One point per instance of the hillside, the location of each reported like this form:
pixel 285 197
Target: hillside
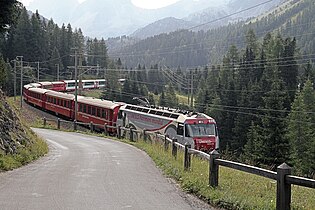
pixel 189 49
pixel 109 18
pixel 206 15
pixel 18 144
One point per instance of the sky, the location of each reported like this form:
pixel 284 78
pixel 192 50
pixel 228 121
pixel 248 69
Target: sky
pixel 146 4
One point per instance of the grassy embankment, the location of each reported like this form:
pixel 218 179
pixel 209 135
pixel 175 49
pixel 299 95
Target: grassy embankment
pixel 237 190
pixel 27 153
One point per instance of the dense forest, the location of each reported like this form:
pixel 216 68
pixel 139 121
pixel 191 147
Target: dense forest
pixel 262 98
pixel 189 49
pixel 45 45
pixel 260 91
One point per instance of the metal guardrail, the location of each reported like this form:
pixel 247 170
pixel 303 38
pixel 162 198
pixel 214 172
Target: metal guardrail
pixel 282 176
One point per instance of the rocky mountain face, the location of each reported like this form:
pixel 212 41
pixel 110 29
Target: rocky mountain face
pixel 112 18
pixel 207 15
pixel 12 134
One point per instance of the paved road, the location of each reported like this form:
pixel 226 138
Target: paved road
pixel 85 172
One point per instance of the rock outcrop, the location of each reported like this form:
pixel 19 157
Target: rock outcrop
pixel 12 134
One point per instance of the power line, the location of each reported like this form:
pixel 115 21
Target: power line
pixel 229 15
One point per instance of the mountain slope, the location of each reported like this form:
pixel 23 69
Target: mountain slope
pixel 207 15
pixel 189 49
pixel 165 25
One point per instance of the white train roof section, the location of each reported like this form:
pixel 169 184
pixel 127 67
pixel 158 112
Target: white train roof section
pixel 39 90
pixel 60 95
pixel 99 102
pixel 166 113
pixel 45 83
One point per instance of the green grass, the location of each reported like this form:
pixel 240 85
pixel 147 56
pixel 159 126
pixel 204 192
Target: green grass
pixel 237 190
pixel 92 93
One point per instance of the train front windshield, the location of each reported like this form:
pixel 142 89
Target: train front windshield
pixel 198 130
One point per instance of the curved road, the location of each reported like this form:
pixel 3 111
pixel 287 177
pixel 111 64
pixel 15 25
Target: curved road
pixel 86 172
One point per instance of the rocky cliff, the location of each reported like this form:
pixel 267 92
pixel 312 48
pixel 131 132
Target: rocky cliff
pixel 12 133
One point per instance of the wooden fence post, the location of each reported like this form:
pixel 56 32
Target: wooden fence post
pixel 165 143
pixel 131 134
pixel 187 157
pixel 174 148
pixel 144 135
pixel 44 121
pixel 105 129
pixel 91 126
pixel 58 123
pixel 213 169
pixel 74 125
pixel 283 188
pixel 118 132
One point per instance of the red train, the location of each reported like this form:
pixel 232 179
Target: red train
pixel 89 109
pixel 196 129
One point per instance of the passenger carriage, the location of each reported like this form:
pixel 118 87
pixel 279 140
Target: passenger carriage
pixel 60 103
pixel 98 111
pixel 46 85
pixel 37 97
pixel 59 86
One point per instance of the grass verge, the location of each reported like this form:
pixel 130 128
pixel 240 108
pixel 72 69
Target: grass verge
pixel 237 190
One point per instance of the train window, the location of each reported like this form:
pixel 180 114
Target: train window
pixel 152 112
pixel 145 110
pixel 93 110
pixel 103 113
pixel 80 107
pixel 54 100
pixel 159 113
pixel 84 108
pixel 64 103
pixel 139 109
pixel 120 114
pixel 89 110
pixel 88 83
pixel 166 114
pixel 175 116
pixel 70 104
pixel 98 112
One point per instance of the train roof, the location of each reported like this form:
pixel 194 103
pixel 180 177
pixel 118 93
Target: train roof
pixel 27 86
pixel 68 81
pixel 99 102
pixel 38 90
pixel 35 84
pixel 58 82
pixel 45 83
pixel 61 95
pixel 179 115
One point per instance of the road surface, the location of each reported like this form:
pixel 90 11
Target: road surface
pixel 86 172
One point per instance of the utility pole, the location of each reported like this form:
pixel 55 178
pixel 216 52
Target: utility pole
pixel 76 85
pixel 192 90
pixel 14 86
pixel 21 88
pixel 37 71
pixel 57 65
